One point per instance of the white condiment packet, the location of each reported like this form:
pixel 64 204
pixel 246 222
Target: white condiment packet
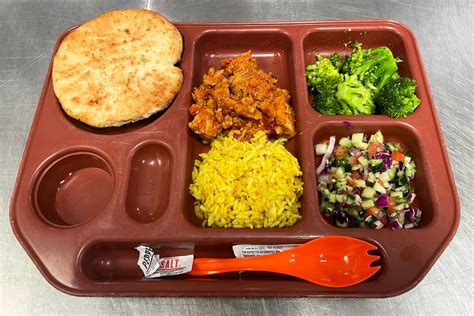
pixel 154 267
pixel 242 251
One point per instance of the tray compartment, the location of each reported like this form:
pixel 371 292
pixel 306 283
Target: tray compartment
pixel 328 41
pixel 394 132
pixel 116 262
pixel 197 147
pixel 73 189
pixel 149 182
pixel 273 50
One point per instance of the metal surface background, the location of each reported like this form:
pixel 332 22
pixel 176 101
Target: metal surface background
pixel 28 31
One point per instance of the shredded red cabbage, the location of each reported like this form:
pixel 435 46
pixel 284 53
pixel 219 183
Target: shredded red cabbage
pixel 382 201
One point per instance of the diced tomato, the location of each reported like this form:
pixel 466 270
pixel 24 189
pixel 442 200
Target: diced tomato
pixel 373 149
pixel 392 202
pixel 340 152
pixel 356 175
pixel 374 211
pixel 398 156
pixel 350 182
pixel 391 210
pixel 380 182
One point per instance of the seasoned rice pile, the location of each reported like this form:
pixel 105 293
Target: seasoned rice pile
pixel 247 184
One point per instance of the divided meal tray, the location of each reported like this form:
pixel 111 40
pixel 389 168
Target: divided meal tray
pixel 77 206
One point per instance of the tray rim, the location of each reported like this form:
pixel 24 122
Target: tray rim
pixel 234 25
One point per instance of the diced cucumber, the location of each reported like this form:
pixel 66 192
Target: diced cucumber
pixel 339 198
pixel 326 206
pixel 368 193
pixel 339 173
pixel 360 183
pixel 367 204
pixel 350 200
pixel 357 137
pixel 345 142
pixel 402 188
pixel 399 207
pixel 401 218
pixel 396 194
pixel 326 193
pixel 360 145
pixel 379 188
pixel 320 149
pixel 353 212
pixel 401 201
pixel 363 161
pixel 376 162
pixel 390 147
pixel 376 138
pixel 407 160
pixel 371 177
pixel 410 172
pixel 384 176
pixel 332 198
pixel 340 186
pixel 386 184
pixel 392 173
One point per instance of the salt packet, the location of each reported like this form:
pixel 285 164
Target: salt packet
pixel 154 266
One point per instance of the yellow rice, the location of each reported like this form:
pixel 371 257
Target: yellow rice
pixel 247 184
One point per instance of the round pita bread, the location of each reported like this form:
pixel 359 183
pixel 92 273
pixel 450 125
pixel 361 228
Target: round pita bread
pixel 118 68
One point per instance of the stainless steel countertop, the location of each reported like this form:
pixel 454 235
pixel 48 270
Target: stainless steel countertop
pixel 28 31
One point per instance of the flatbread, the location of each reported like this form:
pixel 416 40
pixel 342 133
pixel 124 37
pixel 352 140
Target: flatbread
pixel 118 68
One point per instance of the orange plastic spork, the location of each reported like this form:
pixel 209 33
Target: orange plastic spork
pixel 332 261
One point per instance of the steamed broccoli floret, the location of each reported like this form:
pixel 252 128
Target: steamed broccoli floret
pixel 337 61
pixel 323 78
pixel 373 67
pixel 354 97
pixel 337 93
pixel 397 98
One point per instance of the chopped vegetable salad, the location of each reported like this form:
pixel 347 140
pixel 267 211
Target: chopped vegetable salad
pixel 366 182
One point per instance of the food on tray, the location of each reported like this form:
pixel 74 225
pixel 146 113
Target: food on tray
pixel 239 100
pixel 365 82
pixel 118 68
pixel 397 98
pixel 254 184
pixel 367 183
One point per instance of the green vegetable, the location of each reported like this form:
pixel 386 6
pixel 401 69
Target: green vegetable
pixel 365 82
pixel 368 204
pixel 373 67
pixel 368 193
pixel 357 137
pixel 345 142
pixel 337 93
pixel 320 149
pixel 324 78
pixel 337 61
pixel 354 97
pixel 361 145
pixel 397 98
